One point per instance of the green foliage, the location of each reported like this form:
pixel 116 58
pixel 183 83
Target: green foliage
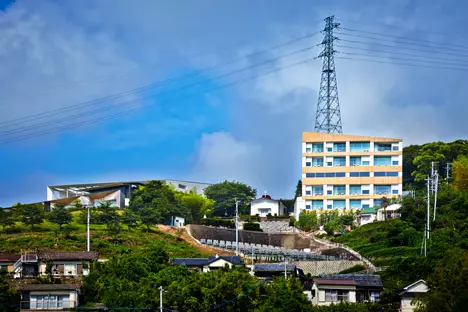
pixel 354 307
pixel 353 269
pixel 60 215
pixel 219 222
pixel 285 295
pixel 6 218
pixel 109 216
pixel 251 226
pixel 196 205
pixel 130 219
pixel 292 221
pixel 225 193
pixel 307 221
pixel 460 173
pixel 298 189
pixel 32 214
pixel 9 297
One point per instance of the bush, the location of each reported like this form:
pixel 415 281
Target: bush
pixel 219 222
pixel 250 226
pixel 292 221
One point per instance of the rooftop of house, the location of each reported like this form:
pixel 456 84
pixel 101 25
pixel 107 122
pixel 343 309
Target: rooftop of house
pixel 50 287
pixel 417 287
pixel 326 281
pixel 273 267
pixel 368 210
pixel 68 255
pixel 9 257
pixel 362 280
pixel 236 260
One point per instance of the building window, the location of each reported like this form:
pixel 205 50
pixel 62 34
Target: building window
pixel 359 146
pixel 70 269
pixel 382 147
pixel 307 207
pixel 355 190
pixel 377 202
pixel 365 192
pixel 382 161
pixel 308 192
pixel 329 149
pixel 366 163
pixel 339 190
pixel 339 161
pixel 329 192
pixel 317 204
pixel 317 147
pixel 385 174
pixel 340 174
pixel 329 163
pixel 329 206
pixel 317 162
pixel 395 192
pixel 355 161
pixel 317 190
pixel 310 175
pixel 50 302
pixel 339 204
pixel 308 164
pixel 395 163
pixel 395 148
pixel 382 189
pixel 365 206
pixel 339 147
pixel 320 175
pixel 336 295
pixel 308 150
pixel 375 296
pixel 359 174
pixel 355 204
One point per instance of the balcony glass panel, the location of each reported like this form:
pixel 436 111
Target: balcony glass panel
pixel 355 204
pixel 339 204
pixel 317 190
pixel 317 204
pixel 317 162
pixel 339 190
pixel 382 147
pixel 317 147
pixel 339 161
pixel 355 190
pixel 359 146
pixel 339 147
pixel 382 161
pixel 355 161
pixel 382 189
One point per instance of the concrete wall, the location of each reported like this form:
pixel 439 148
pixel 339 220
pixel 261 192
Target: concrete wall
pixel 290 240
pixel 316 268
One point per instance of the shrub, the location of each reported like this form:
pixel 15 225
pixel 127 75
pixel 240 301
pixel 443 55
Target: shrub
pixel 219 222
pixel 250 226
pixel 292 221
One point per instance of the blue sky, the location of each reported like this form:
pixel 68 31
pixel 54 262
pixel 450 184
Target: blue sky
pixel 58 53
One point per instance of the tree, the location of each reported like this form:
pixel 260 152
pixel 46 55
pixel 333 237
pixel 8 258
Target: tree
pixel 130 218
pixel 30 214
pixel 9 297
pixel 196 205
pixel 384 204
pixel 460 173
pixel 6 218
pixel 60 215
pixel 307 221
pixel 298 189
pixel 285 295
pixel 110 218
pixel 224 195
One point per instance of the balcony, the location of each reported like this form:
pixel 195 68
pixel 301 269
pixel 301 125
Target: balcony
pixel 47 305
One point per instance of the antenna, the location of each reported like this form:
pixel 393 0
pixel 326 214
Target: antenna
pixel 328 117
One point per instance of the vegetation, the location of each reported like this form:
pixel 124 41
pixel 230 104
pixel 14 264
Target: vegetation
pixel 353 269
pixel 332 221
pixel 29 214
pixel 252 226
pixel 8 295
pixel 460 173
pixel 60 215
pixel 219 222
pixel 224 195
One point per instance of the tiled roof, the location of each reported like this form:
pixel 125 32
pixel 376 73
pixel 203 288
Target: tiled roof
pixel 273 267
pixel 50 287
pixel 191 261
pixel 324 281
pixel 368 210
pixel 9 257
pixel 233 259
pixel 68 255
pixel 363 280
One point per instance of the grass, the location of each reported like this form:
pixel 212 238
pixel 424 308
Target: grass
pixel 48 237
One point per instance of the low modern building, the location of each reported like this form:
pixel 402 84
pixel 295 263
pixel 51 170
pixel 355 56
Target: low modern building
pixel 118 193
pixel 336 288
pixel 348 172
pixel 211 263
pixel 265 205
pixel 369 215
pixel 410 294
pixel 49 297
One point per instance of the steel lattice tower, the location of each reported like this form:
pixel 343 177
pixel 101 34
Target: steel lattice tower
pixel 328 117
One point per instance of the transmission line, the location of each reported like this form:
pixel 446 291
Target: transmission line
pixel 113 116
pixel 106 108
pixel 159 83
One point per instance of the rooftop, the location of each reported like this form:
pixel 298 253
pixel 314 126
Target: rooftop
pixel 9 257
pixel 325 281
pixel 236 260
pixel 273 267
pixel 363 280
pixel 68 255
pixel 331 137
pixel 50 287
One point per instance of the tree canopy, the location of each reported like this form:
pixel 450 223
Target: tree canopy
pixel 225 193
pixel 60 215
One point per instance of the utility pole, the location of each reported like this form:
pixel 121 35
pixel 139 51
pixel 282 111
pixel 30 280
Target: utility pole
pixel 237 227
pixel 435 180
pixel 448 166
pixel 428 226
pixel 87 230
pixel 285 269
pixel 328 117
pixel 161 289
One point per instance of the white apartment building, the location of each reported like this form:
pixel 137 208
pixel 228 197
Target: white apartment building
pixel 348 172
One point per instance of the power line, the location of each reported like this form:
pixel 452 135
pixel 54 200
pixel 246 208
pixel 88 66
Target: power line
pixel 113 116
pixel 404 42
pixel 401 58
pixel 159 83
pixel 399 53
pixel 401 47
pixel 402 64
pixel 105 108
pixel 405 38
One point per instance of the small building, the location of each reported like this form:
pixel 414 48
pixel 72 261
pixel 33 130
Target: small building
pixel 211 263
pixel 73 264
pixel 369 215
pixel 347 288
pixel 61 297
pixel 264 206
pixel 266 271
pixel 411 292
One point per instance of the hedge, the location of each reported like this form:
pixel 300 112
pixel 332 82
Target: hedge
pixel 219 222
pixel 250 226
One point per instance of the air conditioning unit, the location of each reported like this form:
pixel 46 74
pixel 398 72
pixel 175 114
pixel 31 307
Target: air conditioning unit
pixel 365 150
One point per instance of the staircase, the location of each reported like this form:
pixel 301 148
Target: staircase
pixel 24 259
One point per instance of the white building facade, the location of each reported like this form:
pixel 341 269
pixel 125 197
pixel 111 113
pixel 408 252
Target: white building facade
pixel 265 205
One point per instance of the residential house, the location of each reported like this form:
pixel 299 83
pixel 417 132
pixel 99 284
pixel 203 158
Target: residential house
pixel 71 264
pixel 211 263
pixel 411 292
pixel 334 288
pixel 264 206
pixel 266 271
pixel 62 297
pixel 7 261
pixel 371 214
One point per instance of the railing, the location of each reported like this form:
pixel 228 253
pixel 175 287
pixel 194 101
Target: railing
pixel 47 304
pixel 29 258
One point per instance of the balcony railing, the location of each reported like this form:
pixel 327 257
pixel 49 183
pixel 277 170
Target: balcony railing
pixel 47 305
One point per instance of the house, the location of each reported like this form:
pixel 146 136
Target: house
pixel 369 215
pixel 264 206
pixel 72 264
pixel 266 271
pixel 409 293
pixel 62 297
pixel 209 264
pixel 7 261
pixel 334 288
